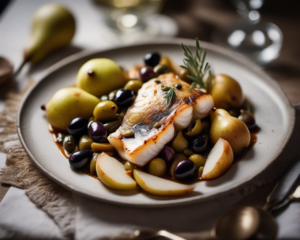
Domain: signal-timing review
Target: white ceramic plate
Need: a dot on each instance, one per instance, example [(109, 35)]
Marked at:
[(274, 115)]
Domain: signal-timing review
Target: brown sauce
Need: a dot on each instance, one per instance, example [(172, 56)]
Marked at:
[(167, 176)]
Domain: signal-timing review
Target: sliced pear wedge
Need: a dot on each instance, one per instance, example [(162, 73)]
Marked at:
[(160, 186), (112, 173), (219, 160)]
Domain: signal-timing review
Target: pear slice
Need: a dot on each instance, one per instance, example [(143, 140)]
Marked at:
[(219, 160), (112, 173), (160, 186)]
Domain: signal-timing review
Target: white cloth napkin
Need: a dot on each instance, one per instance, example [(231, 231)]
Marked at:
[(20, 218)]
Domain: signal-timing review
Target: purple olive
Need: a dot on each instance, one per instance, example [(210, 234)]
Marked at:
[(184, 170), (168, 154), (97, 131), (78, 127), (248, 119), (152, 59), (147, 73), (80, 158)]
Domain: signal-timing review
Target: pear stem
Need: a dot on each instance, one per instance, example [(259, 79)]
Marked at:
[(20, 67)]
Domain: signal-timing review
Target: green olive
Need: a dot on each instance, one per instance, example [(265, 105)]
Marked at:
[(112, 126), (188, 152), (60, 138), (129, 166), (183, 74), (157, 167), (165, 88), (112, 94), (105, 111), (179, 143), (157, 125), (134, 118), (93, 163), (200, 171), (104, 98), (128, 133), (134, 85), (178, 158), (85, 142), (161, 69), (198, 160), (102, 147), (70, 144), (194, 129)]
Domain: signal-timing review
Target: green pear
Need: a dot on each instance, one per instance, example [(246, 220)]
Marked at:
[(67, 104), (226, 92), (233, 130), (100, 76), (53, 27)]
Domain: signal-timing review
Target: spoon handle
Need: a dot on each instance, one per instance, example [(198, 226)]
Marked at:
[(285, 186)]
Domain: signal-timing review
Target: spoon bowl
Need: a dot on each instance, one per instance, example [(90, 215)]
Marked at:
[(244, 222), (6, 70)]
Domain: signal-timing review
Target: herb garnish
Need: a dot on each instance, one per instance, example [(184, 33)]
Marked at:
[(196, 65), (169, 95)]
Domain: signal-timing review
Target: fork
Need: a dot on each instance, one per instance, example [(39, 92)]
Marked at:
[(293, 197)]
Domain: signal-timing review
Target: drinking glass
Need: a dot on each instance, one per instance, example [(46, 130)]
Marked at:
[(258, 40), (128, 16)]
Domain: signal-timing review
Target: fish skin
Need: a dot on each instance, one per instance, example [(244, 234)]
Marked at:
[(150, 107)]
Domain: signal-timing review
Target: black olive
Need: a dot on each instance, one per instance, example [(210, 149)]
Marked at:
[(124, 98), (199, 144), (80, 158), (248, 119), (78, 127), (152, 59), (178, 86)]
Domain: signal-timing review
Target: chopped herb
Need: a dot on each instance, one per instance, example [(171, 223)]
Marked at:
[(169, 95)]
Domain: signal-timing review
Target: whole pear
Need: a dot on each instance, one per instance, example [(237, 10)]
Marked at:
[(100, 76), (67, 104), (233, 130), (226, 92), (53, 27)]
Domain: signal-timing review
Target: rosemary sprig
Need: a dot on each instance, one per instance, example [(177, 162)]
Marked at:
[(169, 95), (196, 65)]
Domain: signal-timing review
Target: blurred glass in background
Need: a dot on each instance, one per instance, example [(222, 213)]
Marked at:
[(259, 41), (128, 15)]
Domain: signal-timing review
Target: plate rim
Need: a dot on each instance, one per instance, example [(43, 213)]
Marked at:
[(168, 203)]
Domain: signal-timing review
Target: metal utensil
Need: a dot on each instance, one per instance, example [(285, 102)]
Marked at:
[(294, 196), (286, 185), (148, 234), (245, 222)]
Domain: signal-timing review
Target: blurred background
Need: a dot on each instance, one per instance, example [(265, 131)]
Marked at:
[(266, 31)]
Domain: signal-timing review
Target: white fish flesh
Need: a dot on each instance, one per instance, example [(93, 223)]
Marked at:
[(149, 108)]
